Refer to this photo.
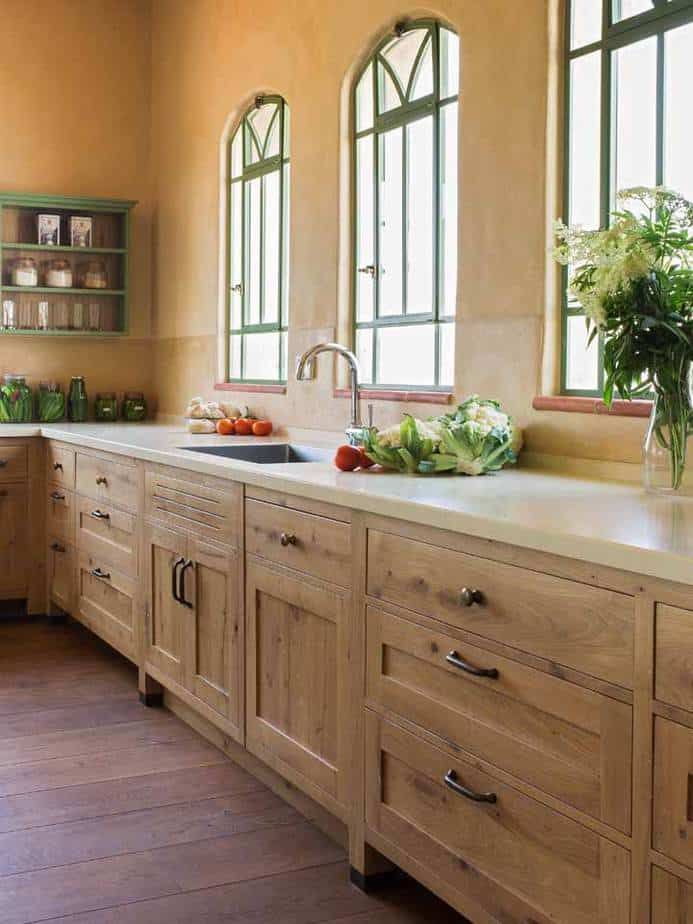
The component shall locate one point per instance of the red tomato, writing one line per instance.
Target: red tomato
(365, 461)
(347, 458)
(244, 426)
(262, 427)
(226, 427)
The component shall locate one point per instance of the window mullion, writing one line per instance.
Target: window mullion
(659, 130)
(405, 218)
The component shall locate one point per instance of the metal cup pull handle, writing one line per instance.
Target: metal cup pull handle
(451, 781)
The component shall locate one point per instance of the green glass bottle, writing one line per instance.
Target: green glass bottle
(78, 405)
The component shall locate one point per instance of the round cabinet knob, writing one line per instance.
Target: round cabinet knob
(287, 539)
(57, 466)
(469, 596)
(101, 479)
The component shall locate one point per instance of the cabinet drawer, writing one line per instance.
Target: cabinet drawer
(194, 504)
(108, 534)
(586, 628)
(672, 898)
(60, 466)
(60, 513)
(673, 788)
(108, 480)
(561, 738)
(13, 462)
(674, 656)
(513, 859)
(303, 541)
(106, 604)
(60, 566)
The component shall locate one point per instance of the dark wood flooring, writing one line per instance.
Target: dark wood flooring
(111, 813)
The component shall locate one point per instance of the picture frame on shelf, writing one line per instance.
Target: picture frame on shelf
(80, 231)
(49, 230)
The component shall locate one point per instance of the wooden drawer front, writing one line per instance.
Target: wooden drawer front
(585, 628)
(108, 480)
(60, 562)
(672, 898)
(673, 791)
(514, 859)
(561, 738)
(303, 541)
(60, 513)
(13, 462)
(108, 534)
(14, 544)
(674, 656)
(106, 604)
(204, 507)
(60, 466)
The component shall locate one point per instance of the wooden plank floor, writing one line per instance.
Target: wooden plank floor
(111, 813)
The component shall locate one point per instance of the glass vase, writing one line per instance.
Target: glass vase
(669, 437)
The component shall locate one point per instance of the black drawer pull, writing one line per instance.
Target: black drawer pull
(3, 463)
(450, 780)
(98, 573)
(101, 479)
(287, 539)
(453, 658)
(181, 585)
(57, 466)
(57, 496)
(469, 596)
(174, 579)
(100, 515)
(56, 547)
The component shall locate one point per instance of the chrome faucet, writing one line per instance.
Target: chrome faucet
(305, 371)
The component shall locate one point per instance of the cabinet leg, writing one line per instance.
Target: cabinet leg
(370, 870)
(151, 691)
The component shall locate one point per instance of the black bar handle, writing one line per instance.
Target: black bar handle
(174, 579)
(181, 585)
(57, 496)
(450, 780)
(453, 658)
(100, 515)
(98, 573)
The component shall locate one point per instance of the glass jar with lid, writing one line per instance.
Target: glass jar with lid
(59, 274)
(51, 402)
(16, 399)
(106, 406)
(94, 275)
(24, 272)
(134, 406)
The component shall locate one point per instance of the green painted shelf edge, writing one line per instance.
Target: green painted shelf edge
(61, 248)
(40, 201)
(41, 290)
(90, 334)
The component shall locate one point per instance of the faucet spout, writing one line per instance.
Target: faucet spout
(305, 370)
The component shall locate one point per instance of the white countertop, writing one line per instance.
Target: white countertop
(605, 522)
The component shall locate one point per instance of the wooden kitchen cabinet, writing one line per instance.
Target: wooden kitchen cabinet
(60, 568)
(14, 546)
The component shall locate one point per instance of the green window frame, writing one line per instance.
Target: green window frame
(257, 277)
(626, 108)
(405, 207)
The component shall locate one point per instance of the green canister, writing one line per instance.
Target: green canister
(106, 406)
(134, 406)
(51, 402)
(77, 403)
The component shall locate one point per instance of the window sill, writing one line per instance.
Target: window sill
(578, 405)
(250, 387)
(378, 394)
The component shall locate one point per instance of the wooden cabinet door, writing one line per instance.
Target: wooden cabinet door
(213, 632)
(61, 574)
(295, 636)
(14, 554)
(672, 898)
(165, 617)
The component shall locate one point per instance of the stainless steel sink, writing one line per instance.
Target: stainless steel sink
(266, 453)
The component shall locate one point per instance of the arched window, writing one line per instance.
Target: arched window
(405, 208)
(257, 272)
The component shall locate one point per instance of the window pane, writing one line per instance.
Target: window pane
(585, 162)
(423, 79)
(406, 355)
(401, 53)
(272, 147)
(420, 191)
(582, 364)
(364, 353)
(678, 130)
(364, 100)
(388, 97)
(284, 348)
(236, 254)
(287, 131)
(272, 223)
(237, 154)
(261, 120)
(586, 24)
(261, 359)
(635, 79)
(235, 356)
(449, 63)
(391, 223)
(448, 210)
(285, 245)
(623, 9)
(447, 354)
(253, 218)
(365, 227)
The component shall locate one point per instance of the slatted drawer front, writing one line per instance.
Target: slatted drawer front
(106, 603)
(108, 479)
(60, 466)
(13, 462)
(314, 544)
(673, 791)
(674, 656)
(60, 561)
(512, 857)
(205, 507)
(582, 627)
(60, 513)
(561, 738)
(108, 534)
